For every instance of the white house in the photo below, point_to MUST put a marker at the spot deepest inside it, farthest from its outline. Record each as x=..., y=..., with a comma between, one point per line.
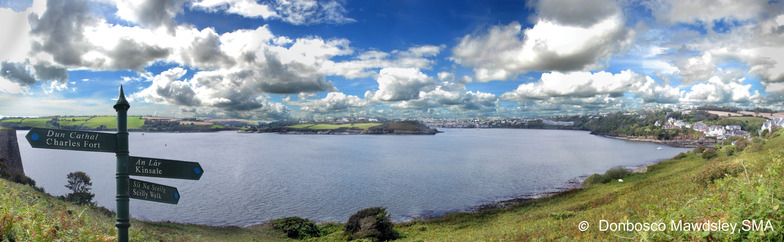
x=768, y=125
x=715, y=131
x=679, y=123
x=700, y=126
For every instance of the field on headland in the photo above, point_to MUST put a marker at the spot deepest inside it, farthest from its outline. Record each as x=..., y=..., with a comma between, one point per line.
x=731, y=184
x=86, y=122
x=135, y=123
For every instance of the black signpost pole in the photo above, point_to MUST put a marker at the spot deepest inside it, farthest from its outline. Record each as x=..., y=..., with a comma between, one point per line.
x=123, y=216
x=118, y=143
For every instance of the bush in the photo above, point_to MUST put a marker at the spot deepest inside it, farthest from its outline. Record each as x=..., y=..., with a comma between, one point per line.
x=710, y=154
x=755, y=147
x=595, y=179
x=741, y=144
x=371, y=223
x=17, y=177
x=680, y=156
x=296, y=227
x=617, y=173
x=79, y=182
x=22, y=179
x=699, y=149
x=729, y=150
x=716, y=170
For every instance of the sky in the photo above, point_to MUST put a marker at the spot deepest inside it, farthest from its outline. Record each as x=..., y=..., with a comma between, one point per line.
x=278, y=59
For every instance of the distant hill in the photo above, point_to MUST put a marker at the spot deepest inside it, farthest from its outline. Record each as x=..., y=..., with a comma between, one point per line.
x=135, y=123
x=399, y=127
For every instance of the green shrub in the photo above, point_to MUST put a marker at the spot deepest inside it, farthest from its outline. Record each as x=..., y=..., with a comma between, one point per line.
x=729, y=150
x=296, y=227
x=79, y=182
x=18, y=177
x=710, y=154
x=699, y=149
x=617, y=173
x=755, y=147
x=716, y=170
x=371, y=223
x=680, y=156
x=22, y=179
x=741, y=144
x=595, y=179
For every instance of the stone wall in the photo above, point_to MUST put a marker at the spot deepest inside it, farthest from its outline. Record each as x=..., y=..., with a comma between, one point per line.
x=9, y=151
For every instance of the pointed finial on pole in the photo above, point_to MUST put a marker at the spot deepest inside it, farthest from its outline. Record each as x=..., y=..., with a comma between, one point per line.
x=121, y=102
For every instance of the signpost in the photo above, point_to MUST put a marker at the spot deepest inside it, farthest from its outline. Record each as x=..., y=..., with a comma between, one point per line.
x=154, y=192
x=126, y=165
x=141, y=166
x=72, y=140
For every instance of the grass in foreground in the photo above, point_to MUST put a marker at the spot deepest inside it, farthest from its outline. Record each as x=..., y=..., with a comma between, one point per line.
x=732, y=187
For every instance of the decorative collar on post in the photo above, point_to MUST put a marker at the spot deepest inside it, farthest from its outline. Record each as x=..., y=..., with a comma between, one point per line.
x=121, y=104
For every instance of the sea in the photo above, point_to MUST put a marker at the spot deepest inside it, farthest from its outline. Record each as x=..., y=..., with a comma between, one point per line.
x=251, y=178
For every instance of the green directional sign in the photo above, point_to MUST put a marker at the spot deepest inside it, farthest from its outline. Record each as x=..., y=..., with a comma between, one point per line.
x=72, y=140
x=142, y=166
x=153, y=192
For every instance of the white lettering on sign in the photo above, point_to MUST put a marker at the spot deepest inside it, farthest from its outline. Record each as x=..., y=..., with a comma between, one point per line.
x=147, y=190
x=72, y=139
x=151, y=167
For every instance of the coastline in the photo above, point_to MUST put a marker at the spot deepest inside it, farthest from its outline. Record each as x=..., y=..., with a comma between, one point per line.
x=571, y=186
x=687, y=143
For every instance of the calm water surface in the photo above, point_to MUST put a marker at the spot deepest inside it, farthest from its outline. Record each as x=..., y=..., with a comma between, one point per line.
x=252, y=178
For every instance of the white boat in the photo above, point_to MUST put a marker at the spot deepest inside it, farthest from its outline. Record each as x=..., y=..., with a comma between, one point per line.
x=660, y=148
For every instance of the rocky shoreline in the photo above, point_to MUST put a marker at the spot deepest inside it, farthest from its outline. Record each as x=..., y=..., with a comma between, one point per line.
x=686, y=143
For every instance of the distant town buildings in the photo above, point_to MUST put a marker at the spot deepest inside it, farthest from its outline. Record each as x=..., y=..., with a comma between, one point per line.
x=557, y=123
x=719, y=132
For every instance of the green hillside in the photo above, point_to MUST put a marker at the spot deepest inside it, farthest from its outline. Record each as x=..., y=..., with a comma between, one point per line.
x=84, y=122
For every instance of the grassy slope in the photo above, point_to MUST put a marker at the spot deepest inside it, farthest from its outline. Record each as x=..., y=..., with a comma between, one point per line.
x=756, y=120
x=667, y=192
x=73, y=121
x=35, y=122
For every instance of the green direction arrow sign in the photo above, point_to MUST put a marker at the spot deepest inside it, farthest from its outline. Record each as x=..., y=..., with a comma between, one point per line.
x=153, y=192
x=72, y=140
x=141, y=166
